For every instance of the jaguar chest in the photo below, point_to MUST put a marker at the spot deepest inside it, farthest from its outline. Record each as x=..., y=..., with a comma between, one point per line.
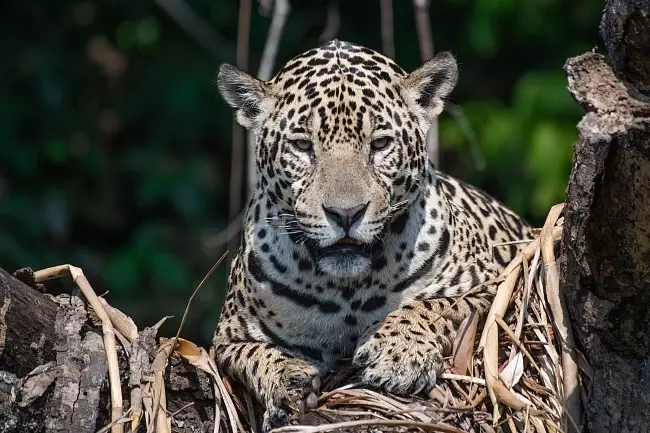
x=325, y=322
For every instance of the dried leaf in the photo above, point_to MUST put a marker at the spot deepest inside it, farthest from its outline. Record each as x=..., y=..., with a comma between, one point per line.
x=513, y=372
x=464, y=344
x=192, y=353
x=199, y=357
x=583, y=364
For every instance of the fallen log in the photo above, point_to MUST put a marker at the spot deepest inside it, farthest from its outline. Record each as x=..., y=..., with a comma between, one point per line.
x=53, y=368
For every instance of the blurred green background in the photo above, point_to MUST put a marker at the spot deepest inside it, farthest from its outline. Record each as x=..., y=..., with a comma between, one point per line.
x=115, y=147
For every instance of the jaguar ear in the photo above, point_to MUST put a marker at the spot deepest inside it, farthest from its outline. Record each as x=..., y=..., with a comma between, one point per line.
x=246, y=94
x=429, y=85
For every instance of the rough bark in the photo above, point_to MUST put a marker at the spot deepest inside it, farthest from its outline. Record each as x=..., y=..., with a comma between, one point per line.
x=53, y=374
x=26, y=332
x=606, y=268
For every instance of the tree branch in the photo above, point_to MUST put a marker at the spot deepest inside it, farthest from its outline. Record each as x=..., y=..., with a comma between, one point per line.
x=238, y=133
x=387, y=32
x=423, y=26
x=196, y=27
x=458, y=114
x=332, y=22
x=281, y=9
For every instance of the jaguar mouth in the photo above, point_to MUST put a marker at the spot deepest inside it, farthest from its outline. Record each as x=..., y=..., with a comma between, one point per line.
x=346, y=246
x=350, y=241
x=346, y=258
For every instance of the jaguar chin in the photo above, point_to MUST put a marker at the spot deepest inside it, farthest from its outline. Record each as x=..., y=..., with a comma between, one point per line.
x=346, y=259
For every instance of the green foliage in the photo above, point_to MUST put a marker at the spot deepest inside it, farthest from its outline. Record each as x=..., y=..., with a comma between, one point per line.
x=115, y=148
x=526, y=143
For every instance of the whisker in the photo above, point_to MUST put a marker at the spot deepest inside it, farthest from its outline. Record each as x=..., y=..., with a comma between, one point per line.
x=397, y=206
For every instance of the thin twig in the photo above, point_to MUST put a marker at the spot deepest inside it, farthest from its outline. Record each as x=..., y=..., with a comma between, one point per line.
x=463, y=378
x=196, y=27
x=517, y=342
x=387, y=33
x=189, y=301
x=251, y=413
x=458, y=114
x=517, y=242
x=528, y=287
x=281, y=9
x=332, y=22
x=423, y=27
x=173, y=414
x=126, y=418
x=238, y=133
x=213, y=243
x=361, y=423
x=217, y=407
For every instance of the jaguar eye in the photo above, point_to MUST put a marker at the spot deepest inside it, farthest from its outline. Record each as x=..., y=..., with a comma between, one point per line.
x=380, y=143
x=303, y=145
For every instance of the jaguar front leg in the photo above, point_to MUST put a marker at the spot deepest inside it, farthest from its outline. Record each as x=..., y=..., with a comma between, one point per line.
x=404, y=353
x=285, y=385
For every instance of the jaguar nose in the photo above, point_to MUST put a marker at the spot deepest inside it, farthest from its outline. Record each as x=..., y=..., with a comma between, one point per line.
x=345, y=217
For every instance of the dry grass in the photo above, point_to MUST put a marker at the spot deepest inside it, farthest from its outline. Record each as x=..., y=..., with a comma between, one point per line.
x=521, y=374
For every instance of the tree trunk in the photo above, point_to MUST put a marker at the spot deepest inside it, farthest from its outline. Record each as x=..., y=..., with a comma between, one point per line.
x=606, y=263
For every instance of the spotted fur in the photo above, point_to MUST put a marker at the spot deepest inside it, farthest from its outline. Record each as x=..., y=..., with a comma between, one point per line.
x=354, y=244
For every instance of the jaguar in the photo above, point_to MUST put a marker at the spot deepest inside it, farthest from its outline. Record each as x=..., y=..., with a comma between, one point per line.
x=354, y=245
